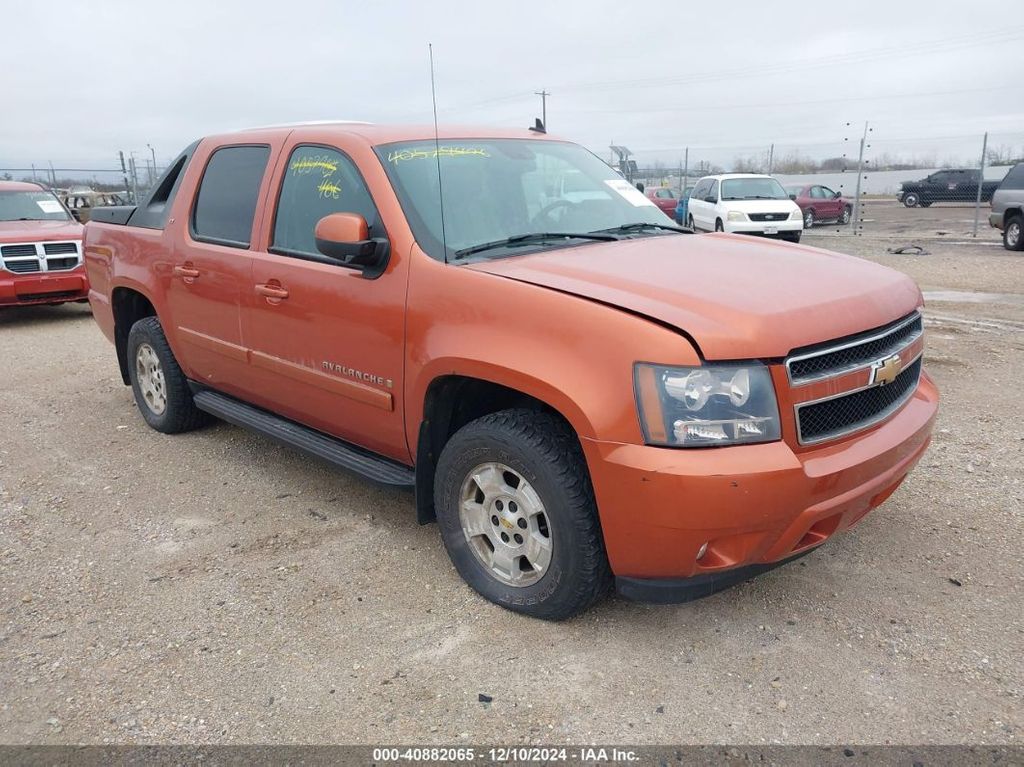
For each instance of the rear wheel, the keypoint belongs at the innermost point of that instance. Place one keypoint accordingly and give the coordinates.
(518, 516)
(1013, 239)
(160, 388)
(911, 200)
(808, 219)
(689, 223)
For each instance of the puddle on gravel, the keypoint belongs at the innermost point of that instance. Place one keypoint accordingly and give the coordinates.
(972, 297)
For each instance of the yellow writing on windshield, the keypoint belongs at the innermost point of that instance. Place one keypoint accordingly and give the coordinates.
(327, 189)
(306, 165)
(430, 154)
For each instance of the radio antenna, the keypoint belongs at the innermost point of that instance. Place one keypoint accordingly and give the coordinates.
(437, 152)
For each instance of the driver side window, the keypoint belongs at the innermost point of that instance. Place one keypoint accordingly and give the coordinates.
(318, 181)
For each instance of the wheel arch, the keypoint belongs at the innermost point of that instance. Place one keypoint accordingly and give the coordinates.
(129, 304)
(452, 400)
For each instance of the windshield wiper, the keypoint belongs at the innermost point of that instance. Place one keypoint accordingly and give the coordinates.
(521, 239)
(644, 225)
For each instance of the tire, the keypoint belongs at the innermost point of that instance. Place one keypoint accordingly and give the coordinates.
(1013, 237)
(792, 236)
(719, 226)
(808, 219)
(911, 199)
(160, 388)
(533, 458)
(847, 214)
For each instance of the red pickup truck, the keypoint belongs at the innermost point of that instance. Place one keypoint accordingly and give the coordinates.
(40, 248)
(579, 392)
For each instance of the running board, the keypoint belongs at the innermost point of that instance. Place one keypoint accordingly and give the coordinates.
(309, 441)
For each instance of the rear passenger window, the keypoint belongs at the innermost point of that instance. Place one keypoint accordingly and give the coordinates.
(1015, 178)
(226, 203)
(318, 181)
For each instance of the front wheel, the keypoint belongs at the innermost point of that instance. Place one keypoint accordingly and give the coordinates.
(719, 226)
(1013, 239)
(911, 200)
(792, 236)
(518, 516)
(847, 214)
(689, 223)
(808, 219)
(160, 387)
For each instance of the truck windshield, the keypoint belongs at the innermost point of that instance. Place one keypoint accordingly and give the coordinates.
(497, 189)
(753, 189)
(31, 206)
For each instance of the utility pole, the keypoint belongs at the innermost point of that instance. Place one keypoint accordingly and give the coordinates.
(771, 158)
(53, 176)
(543, 106)
(135, 179)
(124, 171)
(686, 169)
(860, 171)
(981, 180)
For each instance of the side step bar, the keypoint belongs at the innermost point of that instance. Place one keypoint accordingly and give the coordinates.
(309, 441)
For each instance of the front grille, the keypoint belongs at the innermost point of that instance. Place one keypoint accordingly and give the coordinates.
(768, 216)
(9, 251)
(847, 413)
(23, 267)
(61, 264)
(58, 248)
(835, 358)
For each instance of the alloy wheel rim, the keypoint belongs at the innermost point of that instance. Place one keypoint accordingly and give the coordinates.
(1013, 234)
(808, 220)
(150, 376)
(505, 524)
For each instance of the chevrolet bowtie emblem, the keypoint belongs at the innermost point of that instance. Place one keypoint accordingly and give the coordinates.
(885, 371)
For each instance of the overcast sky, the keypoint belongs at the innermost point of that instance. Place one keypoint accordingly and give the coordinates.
(80, 80)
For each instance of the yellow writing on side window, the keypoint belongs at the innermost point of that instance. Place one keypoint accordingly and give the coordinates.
(329, 190)
(430, 154)
(306, 165)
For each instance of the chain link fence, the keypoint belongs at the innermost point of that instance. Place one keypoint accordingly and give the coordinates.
(863, 183)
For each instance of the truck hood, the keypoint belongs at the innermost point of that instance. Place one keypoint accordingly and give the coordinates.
(736, 296)
(39, 231)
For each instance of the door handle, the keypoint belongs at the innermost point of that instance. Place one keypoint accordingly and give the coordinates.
(187, 272)
(273, 292)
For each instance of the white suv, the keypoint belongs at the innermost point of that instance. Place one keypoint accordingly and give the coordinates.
(744, 202)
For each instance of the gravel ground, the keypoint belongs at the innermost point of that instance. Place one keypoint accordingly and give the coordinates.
(216, 588)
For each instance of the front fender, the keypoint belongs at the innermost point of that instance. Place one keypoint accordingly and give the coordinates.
(574, 354)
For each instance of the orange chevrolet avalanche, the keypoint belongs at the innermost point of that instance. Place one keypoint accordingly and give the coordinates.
(582, 395)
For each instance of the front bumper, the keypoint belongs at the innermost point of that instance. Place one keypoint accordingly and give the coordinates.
(996, 220)
(43, 287)
(753, 505)
(759, 227)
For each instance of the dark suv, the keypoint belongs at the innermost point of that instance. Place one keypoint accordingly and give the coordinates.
(1007, 207)
(950, 185)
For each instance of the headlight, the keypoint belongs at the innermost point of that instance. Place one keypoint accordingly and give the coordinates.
(709, 405)
(796, 215)
(737, 215)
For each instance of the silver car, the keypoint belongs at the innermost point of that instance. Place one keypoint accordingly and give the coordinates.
(1008, 208)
